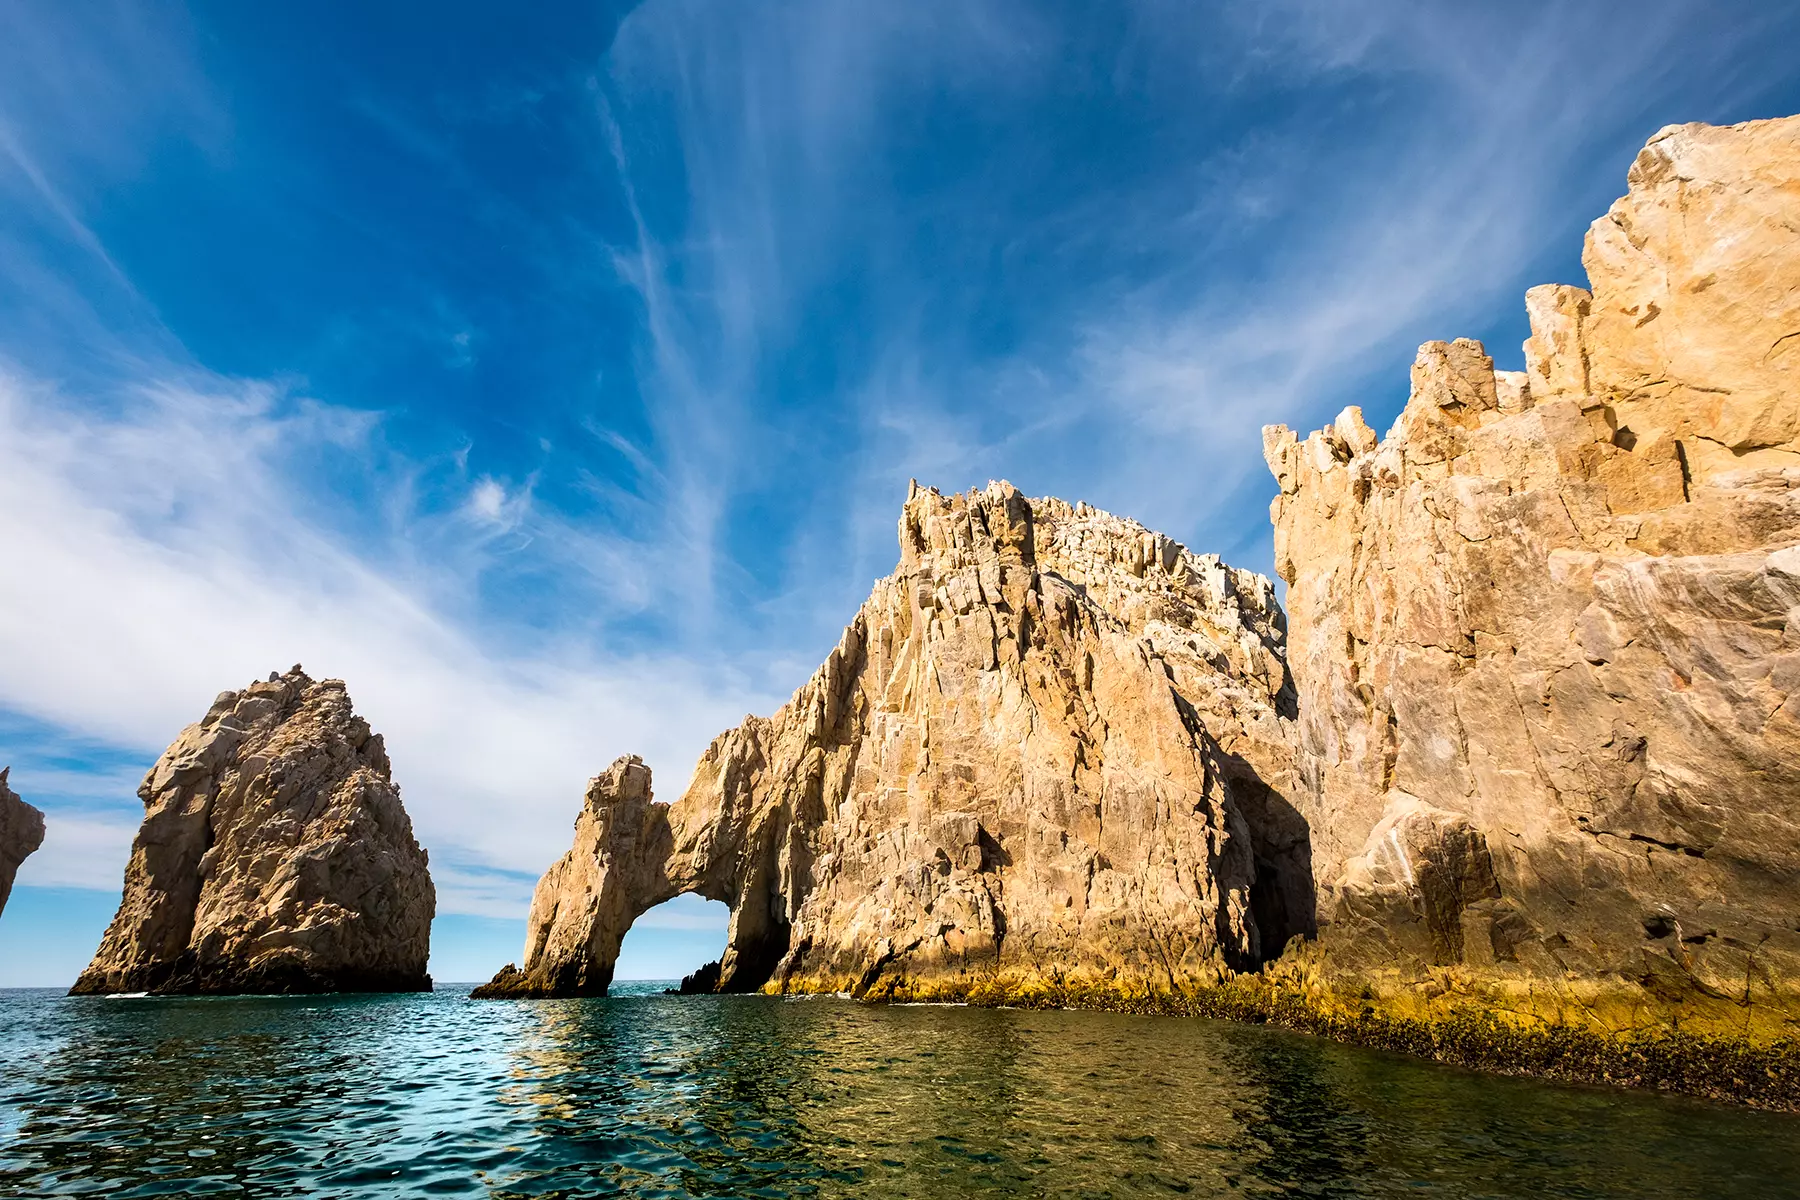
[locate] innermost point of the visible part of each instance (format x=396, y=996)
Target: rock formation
x=1041, y=753
x=274, y=856
x=1546, y=633
x=21, y=833
x=1535, y=779
x=703, y=982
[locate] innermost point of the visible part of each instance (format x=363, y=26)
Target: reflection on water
x=748, y=1096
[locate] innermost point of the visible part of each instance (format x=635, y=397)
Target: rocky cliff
x=1042, y=754
x=274, y=856
x=1529, y=800
x=1546, y=632
x=21, y=833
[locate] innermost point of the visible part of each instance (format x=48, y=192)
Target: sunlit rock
x=1546, y=633
x=1050, y=749
x=274, y=856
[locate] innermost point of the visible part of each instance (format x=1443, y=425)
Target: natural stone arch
x=632, y=853
x=1049, y=751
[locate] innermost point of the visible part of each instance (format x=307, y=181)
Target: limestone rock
x=1051, y=746
x=1546, y=633
x=21, y=833
x=274, y=856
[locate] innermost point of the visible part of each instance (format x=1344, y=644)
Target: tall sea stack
x=274, y=856
x=21, y=833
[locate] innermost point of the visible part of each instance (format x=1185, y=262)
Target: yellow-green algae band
x=1763, y=1072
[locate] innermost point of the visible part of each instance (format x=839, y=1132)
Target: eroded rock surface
x=585, y=903
x=1050, y=747
x=21, y=833
x=274, y=856
x=1546, y=633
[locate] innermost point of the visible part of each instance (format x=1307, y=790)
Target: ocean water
x=644, y=1095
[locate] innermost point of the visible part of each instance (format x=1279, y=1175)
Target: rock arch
x=1049, y=750
x=632, y=853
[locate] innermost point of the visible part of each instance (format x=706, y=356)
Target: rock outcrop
x=703, y=982
x=274, y=856
x=1047, y=750
x=1546, y=632
x=21, y=833
x=584, y=904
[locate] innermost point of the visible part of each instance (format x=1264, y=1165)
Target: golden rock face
x=1528, y=751
x=1563, y=609
x=1050, y=746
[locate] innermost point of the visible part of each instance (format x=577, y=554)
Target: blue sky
x=556, y=378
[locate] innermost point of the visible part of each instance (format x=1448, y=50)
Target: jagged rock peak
x=1544, y=632
x=275, y=856
x=1135, y=575
x=21, y=833
x=1050, y=745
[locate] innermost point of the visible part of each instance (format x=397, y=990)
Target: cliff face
x=1049, y=748
x=21, y=833
x=1546, y=634
x=274, y=856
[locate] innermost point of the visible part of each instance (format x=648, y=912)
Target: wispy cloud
x=174, y=549
x=782, y=258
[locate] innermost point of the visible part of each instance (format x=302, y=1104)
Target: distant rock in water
x=21, y=833
x=1042, y=753
x=1546, y=633
x=703, y=982
x=274, y=856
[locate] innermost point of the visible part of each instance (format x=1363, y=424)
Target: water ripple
x=652, y=1096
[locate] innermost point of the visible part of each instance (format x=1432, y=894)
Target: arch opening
x=671, y=941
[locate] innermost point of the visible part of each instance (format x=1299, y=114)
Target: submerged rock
x=275, y=856
x=21, y=833
x=1050, y=747
x=1546, y=632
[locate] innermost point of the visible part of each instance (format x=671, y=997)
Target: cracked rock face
x=274, y=856
x=21, y=833
x=1546, y=633
x=1051, y=745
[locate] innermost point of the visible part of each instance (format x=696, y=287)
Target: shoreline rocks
x=21, y=833
x=1529, y=799
x=703, y=982
x=274, y=857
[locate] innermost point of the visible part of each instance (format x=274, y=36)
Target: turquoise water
x=645, y=1095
